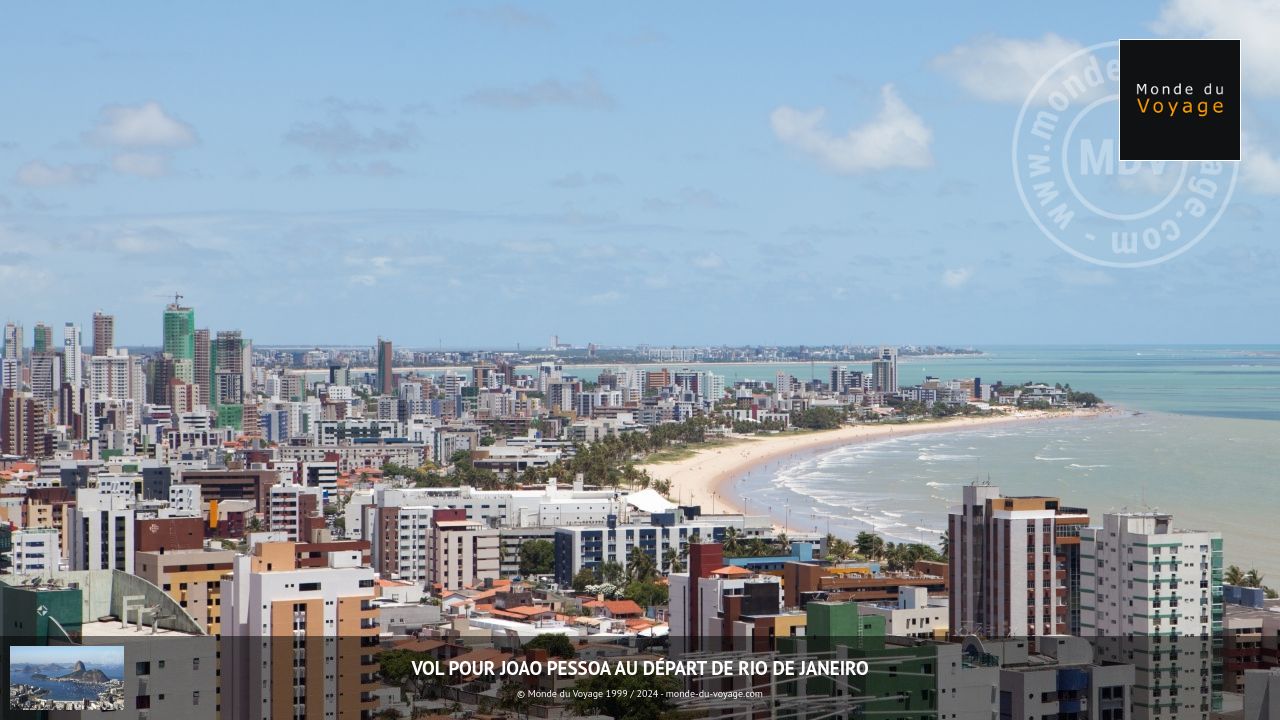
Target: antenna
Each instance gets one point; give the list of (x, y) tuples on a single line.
[(176, 298)]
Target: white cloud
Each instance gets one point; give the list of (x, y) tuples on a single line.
[(895, 137), (709, 261), (1086, 278), (1255, 22), (586, 93), (1259, 168), (139, 126), (605, 298), (1004, 69), (956, 277), (141, 164), (687, 198), (41, 174)]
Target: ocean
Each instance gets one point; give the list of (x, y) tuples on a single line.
[(65, 690), (1204, 446), (1198, 436)]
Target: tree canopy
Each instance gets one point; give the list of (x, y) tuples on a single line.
[(537, 557)]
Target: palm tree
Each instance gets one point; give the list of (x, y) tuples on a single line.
[(1253, 578), (640, 567), (839, 550), (732, 542), (945, 543), (1233, 575), (671, 560), (784, 543)]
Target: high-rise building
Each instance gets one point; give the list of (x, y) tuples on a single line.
[(13, 341), (386, 358), (42, 340), (296, 511), (461, 552), (22, 425), (72, 355), (202, 367), (10, 374), (71, 400), (1015, 564), (298, 641), (46, 376), (101, 531), (104, 333), (884, 370), (180, 339), (161, 371), (1152, 596), (230, 373), (111, 375)]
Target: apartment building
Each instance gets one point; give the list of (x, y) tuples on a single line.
[(297, 641), (101, 531), (461, 552), (1152, 595), (1014, 564), (192, 578), (35, 552)]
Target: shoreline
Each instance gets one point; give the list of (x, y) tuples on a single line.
[(706, 478)]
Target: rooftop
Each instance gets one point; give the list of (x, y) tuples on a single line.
[(111, 628)]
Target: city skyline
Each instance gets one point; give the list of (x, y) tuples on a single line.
[(673, 169)]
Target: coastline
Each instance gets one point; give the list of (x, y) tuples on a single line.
[(707, 478)]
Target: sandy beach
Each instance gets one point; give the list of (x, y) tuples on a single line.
[(705, 478)]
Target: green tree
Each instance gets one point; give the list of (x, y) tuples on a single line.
[(1233, 575), (732, 542), (558, 645), (818, 418), (672, 561), (647, 594), (870, 545), (396, 667), (612, 573), (537, 557), (640, 567), (584, 577)]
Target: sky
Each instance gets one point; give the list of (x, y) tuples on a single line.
[(481, 175), (90, 655)]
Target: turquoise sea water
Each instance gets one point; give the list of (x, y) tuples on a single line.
[(1205, 446), (1200, 438)]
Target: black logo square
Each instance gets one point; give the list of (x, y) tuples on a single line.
[(1179, 99)]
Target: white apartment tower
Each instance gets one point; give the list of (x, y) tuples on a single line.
[(101, 531), (72, 355), (1152, 596)]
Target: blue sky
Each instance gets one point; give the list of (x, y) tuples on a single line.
[(90, 655), (487, 174)]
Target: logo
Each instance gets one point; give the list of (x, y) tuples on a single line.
[(1180, 99), (1095, 206)]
